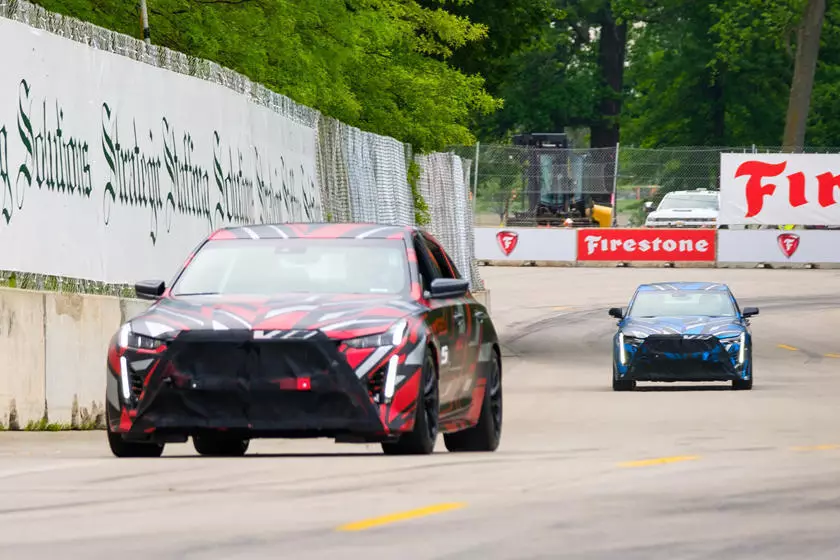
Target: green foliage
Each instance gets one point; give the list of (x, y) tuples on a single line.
[(719, 73), (421, 208), (442, 72), (538, 59), (380, 65)]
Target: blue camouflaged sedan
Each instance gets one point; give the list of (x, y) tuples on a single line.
[(682, 331)]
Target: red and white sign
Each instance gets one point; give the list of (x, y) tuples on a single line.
[(788, 243), (773, 246), (780, 189), (666, 245), (507, 241), (525, 244)]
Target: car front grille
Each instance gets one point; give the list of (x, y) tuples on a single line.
[(679, 344)]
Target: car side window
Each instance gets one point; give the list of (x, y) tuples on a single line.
[(735, 303), (444, 264), (428, 268)]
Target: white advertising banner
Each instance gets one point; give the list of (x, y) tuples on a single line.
[(775, 246), (113, 170), (780, 189), (525, 244)]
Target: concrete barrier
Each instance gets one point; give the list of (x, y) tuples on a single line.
[(23, 357), (658, 264), (53, 350)]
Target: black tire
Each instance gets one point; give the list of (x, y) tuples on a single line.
[(487, 433), (219, 445), (622, 384), (421, 440), (741, 385), (130, 449)]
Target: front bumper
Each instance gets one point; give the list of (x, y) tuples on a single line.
[(682, 358), (227, 380)]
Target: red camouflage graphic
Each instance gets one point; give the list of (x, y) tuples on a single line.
[(319, 336)]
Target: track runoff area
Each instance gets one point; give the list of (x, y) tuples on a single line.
[(667, 471)]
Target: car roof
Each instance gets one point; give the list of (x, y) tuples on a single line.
[(683, 286), (314, 230)]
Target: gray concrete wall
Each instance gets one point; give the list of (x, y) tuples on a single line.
[(52, 351)]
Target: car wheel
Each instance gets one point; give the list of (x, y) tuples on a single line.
[(130, 449), (744, 384), (622, 384), (487, 433), (421, 440), (218, 445)]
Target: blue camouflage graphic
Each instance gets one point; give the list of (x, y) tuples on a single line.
[(683, 347)]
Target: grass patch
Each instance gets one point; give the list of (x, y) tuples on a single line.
[(45, 425), (48, 283)]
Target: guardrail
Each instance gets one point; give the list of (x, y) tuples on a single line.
[(723, 248)]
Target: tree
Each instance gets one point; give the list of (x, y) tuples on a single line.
[(381, 65), (807, 52)]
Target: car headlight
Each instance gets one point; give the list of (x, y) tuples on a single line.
[(635, 338), (135, 341), (392, 337), (737, 341)]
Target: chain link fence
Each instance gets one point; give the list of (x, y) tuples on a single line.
[(362, 177), (649, 174), (533, 186), (539, 186)]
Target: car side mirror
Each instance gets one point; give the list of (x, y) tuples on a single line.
[(750, 312), (150, 289), (648, 206), (617, 312), (448, 287)]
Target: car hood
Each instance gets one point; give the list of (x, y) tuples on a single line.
[(338, 316), (678, 213), (718, 326)]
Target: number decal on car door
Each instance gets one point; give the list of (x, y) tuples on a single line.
[(444, 355)]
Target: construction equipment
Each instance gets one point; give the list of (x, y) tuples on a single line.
[(559, 192)]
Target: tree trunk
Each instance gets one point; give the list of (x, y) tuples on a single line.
[(807, 52), (612, 48)]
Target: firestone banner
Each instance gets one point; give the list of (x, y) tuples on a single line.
[(780, 189), (654, 244), (113, 170)]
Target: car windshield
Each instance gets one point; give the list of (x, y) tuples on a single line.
[(680, 303), (684, 201), (318, 266)]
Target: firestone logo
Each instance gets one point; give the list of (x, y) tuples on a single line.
[(596, 242), (667, 245), (788, 243), (507, 241)]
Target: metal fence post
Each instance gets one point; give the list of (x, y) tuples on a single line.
[(475, 178), (144, 20), (615, 188)]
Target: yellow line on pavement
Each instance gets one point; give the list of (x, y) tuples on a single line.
[(824, 447), (832, 355), (560, 308), (786, 347), (659, 461), (401, 516)]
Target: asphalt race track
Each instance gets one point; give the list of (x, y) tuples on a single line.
[(667, 472)]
